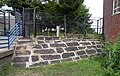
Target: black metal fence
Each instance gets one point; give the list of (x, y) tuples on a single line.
[(39, 22)]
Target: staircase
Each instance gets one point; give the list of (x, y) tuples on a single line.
[(3, 42), (41, 51)]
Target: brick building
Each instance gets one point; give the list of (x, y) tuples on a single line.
[(111, 14)]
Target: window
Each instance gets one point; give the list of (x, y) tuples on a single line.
[(116, 6)]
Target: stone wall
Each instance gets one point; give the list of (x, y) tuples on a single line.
[(50, 50)]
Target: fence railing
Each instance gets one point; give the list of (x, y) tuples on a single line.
[(7, 40), (13, 33)]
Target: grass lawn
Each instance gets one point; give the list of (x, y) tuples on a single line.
[(87, 67)]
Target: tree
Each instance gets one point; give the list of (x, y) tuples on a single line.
[(2, 2), (75, 11)]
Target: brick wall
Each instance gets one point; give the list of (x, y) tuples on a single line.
[(111, 22)]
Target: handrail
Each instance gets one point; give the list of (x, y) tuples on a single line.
[(10, 37), (13, 33)]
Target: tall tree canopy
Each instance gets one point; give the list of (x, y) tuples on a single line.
[(75, 10)]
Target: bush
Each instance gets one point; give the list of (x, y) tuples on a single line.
[(111, 61)]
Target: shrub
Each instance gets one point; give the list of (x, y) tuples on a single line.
[(111, 61)]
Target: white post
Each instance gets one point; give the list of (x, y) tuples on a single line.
[(58, 30)]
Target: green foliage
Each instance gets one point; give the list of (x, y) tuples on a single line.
[(111, 61), (87, 67), (76, 13), (2, 2)]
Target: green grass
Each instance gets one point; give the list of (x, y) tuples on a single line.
[(88, 67)]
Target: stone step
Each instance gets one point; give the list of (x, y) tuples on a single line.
[(49, 50), (47, 38)]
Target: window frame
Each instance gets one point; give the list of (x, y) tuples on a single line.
[(116, 9)]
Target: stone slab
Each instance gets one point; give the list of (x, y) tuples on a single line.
[(44, 51), (21, 59), (71, 48), (35, 58), (59, 50), (57, 45), (72, 44), (50, 57), (91, 51), (67, 55)]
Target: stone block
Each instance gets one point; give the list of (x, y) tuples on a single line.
[(84, 56), (55, 61), (34, 58), (40, 42), (67, 55), (93, 43), (82, 47), (40, 38), (20, 47), (58, 41), (37, 46), (50, 57), (92, 51), (81, 53), (59, 50), (44, 51), (85, 43), (66, 40), (39, 64), (99, 50), (72, 44), (89, 47), (44, 45), (99, 46), (57, 45), (22, 52), (94, 47), (48, 38), (23, 41), (71, 48), (21, 59)]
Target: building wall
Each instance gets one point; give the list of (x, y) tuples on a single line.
[(111, 22)]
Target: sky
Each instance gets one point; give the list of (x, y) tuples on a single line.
[(95, 7)]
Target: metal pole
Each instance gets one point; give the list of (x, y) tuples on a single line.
[(9, 19), (4, 24), (84, 25), (23, 23), (34, 23), (65, 24), (97, 25), (58, 30)]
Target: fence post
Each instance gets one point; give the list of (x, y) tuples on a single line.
[(9, 19), (58, 30), (84, 25), (34, 22), (23, 23), (4, 24), (97, 26), (65, 24), (8, 40)]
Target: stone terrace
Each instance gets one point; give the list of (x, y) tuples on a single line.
[(50, 50)]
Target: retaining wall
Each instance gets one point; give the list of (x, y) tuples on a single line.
[(5, 57), (50, 50)]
